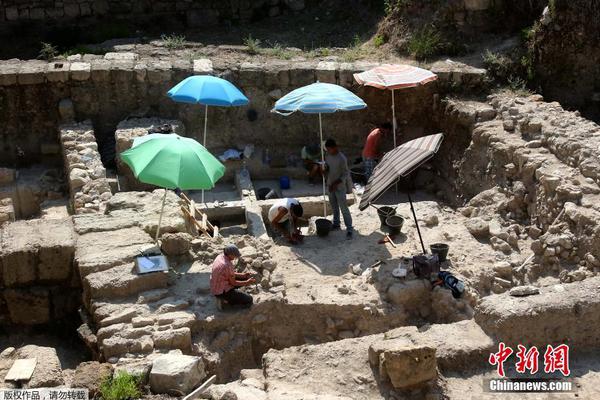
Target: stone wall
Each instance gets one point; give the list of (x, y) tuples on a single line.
[(109, 89), (566, 55), (38, 283), (196, 13)]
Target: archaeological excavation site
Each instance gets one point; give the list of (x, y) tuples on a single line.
[(300, 199)]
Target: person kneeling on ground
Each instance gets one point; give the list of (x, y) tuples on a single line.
[(224, 280), (283, 217)]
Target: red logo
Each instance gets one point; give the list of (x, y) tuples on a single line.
[(555, 359)]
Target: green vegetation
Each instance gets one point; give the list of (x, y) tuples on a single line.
[(279, 51), (173, 41), (122, 386), (389, 6), (354, 51), (498, 66), (252, 44), (425, 43), (48, 51), (378, 40)]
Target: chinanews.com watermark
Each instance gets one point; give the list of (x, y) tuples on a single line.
[(555, 363)]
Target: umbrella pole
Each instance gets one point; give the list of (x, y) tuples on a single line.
[(160, 217), (394, 125), (412, 208), (394, 117), (323, 163), (204, 139)]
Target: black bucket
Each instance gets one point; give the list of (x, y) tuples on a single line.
[(441, 249), (323, 226), (394, 224), (266, 193), (384, 212)]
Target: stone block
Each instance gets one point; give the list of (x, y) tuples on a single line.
[(32, 73), (118, 346), (98, 251), (123, 316), (121, 281), (80, 71), (8, 74), (177, 319), (28, 306), (326, 71), (122, 70), (100, 70), (121, 56), (173, 372), (140, 72), (159, 72), (203, 66), (408, 366), (48, 370), (58, 71), (173, 339), (302, 74), (176, 244)]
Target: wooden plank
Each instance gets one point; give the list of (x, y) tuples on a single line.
[(215, 231), (390, 240), (203, 223), (21, 370), (192, 208), (201, 388), (196, 223)]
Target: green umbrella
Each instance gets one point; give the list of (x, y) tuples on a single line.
[(172, 161)]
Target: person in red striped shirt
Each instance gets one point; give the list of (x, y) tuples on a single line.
[(224, 281)]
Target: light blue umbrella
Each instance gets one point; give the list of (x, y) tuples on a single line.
[(210, 91), (319, 98)]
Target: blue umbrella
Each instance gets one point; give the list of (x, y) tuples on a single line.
[(319, 98), (210, 91)]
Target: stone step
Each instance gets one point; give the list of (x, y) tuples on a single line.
[(119, 282), (99, 251)]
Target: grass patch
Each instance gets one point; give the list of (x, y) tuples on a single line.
[(252, 44), (425, 43), (354, 51), (122, 386), (278, 51), (48, 51), (390, 6), (173, 41), (379, 40)]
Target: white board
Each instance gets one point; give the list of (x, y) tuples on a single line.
[(21, 370), (147, 264)]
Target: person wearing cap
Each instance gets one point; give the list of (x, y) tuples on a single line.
[(224, 281), (283, 217), (311, 158)]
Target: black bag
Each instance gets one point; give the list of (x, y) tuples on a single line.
[(425, 265), (453, 283)]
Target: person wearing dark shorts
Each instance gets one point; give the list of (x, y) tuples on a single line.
[(224, 281)]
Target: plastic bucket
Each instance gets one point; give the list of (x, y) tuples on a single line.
[(384, 212), (323, 226), (394, 224), (284, 182), (441, 249)]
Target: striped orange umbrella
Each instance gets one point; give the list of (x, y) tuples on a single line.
[(392, 77)]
